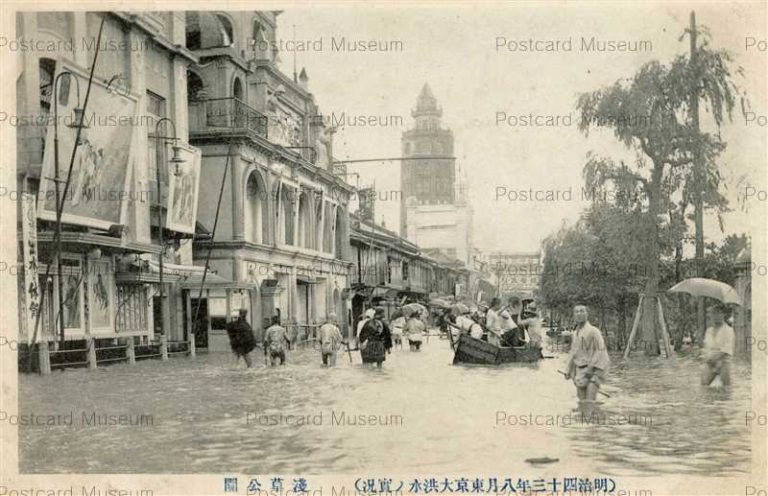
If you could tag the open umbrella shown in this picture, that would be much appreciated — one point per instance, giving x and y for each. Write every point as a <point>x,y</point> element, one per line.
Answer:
<point>459,309</point>
<point>439,303</point>
<point>699,286</point>
<point>410,308</point>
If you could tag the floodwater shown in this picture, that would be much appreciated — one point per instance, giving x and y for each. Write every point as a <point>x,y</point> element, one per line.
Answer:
<point>209,415</point>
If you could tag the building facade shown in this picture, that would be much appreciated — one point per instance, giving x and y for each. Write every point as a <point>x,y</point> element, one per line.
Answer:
<point>434,210</point>
<point>517,273</point>
<point>280,244</point>
<point>113,216</point>
<point>389,271</point>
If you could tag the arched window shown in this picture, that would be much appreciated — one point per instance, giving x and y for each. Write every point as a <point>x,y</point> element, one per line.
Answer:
<point>319,224</point>
<point>287,201</point>
<point>304,229</point>
<point>255,211</point>
<point>206,30</point>
<point>227,34</point>
<point>237,89</point>
<point>195,86</point>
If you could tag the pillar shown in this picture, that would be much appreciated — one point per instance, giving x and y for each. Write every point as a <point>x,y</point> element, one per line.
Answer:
<point>192,350</point>
<point>164,346</point>
<point>130,351</point>
<point>91,343</point>
<point>44,358</point>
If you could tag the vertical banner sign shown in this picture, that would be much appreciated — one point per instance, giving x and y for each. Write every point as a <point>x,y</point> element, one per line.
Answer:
<point>99,182</point>
<point>182,192</point>
<point>31,295</point>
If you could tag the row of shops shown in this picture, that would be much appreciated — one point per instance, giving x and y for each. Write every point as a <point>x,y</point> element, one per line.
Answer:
<point>201,185</point>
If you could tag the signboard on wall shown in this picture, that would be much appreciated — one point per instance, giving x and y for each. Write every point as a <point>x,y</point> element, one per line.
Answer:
<point>98,189</point>
<point>183,191</point>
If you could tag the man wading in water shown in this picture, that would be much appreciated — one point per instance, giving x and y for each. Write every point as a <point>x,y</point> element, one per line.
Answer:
<point>588,361</point>
<point>241,338</point>
<point>275,340</point>
<point>718,347</point>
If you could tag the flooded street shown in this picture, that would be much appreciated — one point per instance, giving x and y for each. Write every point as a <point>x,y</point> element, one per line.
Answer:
<point>205,415</point>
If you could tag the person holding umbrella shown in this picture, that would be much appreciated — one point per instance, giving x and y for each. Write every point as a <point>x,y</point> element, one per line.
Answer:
<point>718,346</point>
<point>414,331</point>
<point>719,339</point>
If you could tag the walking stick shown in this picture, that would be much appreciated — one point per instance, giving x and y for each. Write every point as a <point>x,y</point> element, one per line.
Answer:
<point>349,352</point>
<point>599,391</point>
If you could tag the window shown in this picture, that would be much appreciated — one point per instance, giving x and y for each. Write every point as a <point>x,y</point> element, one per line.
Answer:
<point>156,109</point>
<point>131,308</point>
<point>47,71</point>
<point>405,270</point>
<point>225,30</point>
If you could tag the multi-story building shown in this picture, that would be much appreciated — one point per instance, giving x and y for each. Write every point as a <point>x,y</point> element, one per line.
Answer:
<point>113,219</point>
<point>434,210</point>
<point>281,236</point>
<point>389,270</point>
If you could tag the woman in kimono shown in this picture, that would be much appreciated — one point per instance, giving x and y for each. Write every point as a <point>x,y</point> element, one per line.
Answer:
<point>375,339</point>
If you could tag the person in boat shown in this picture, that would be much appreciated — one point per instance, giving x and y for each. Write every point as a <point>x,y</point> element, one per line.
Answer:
<point>718,346</point>
<point>469,325</point>
<point>479,317</point>
<point>330,340</point>
<point>444,321</point>
<point>414,331</point>
<point>588,359</point>
<point>494,322</point>
<point>398,324</point>
<point>531,324</point>
<point>275,342</point>
<point>514,307</point>
<point>375,339</point>
<point>241,338</point>
<point>511,333</point>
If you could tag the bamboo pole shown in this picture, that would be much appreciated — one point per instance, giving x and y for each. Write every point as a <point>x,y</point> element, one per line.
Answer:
<point>665,334</point>
<point>635,324</point>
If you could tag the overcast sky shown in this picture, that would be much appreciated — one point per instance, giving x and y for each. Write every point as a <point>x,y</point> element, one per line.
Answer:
<point>455,51</point>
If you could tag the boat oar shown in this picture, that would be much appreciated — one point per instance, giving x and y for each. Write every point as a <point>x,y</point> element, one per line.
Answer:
<point>601,392</point>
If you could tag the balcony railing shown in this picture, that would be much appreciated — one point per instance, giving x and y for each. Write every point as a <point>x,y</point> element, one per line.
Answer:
<point>218,114</point>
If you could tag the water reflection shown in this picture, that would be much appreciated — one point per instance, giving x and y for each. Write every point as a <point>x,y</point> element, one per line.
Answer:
<point>435,418</point>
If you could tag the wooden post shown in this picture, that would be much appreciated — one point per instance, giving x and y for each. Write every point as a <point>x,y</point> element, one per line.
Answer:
<point>635,324</point>
<point>665,334</point>
<point>44,357</point>
<point>164,346</point>
<point>91,343</point>
<point>192,350</point>
<point>130,352</point>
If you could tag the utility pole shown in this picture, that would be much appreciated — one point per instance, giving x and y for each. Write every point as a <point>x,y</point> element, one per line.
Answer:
<point>698,178</point>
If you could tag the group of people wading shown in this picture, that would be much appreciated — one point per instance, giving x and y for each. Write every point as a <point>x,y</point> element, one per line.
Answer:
<point>588,360</point>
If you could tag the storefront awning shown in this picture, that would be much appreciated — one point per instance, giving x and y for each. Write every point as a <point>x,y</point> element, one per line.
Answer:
<point>387,293</point>
<point>212,281</point>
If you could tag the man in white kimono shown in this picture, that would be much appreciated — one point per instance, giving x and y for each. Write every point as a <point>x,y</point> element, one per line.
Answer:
<point>588,360</point>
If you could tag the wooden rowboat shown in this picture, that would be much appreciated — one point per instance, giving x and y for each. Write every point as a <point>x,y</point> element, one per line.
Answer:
<point>471,350</point>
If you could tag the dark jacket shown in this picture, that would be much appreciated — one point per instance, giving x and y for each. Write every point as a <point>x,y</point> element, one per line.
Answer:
<point>241,337</point>
<point>376,332</point>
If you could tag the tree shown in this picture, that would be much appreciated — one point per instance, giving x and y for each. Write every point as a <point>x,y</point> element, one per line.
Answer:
<point>649,114</point>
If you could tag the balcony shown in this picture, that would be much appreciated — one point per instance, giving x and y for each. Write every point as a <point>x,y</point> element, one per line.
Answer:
<point>225,116</point>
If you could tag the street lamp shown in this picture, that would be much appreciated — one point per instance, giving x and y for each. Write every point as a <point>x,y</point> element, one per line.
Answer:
<point>76,124</point>
<point>176,160</point>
